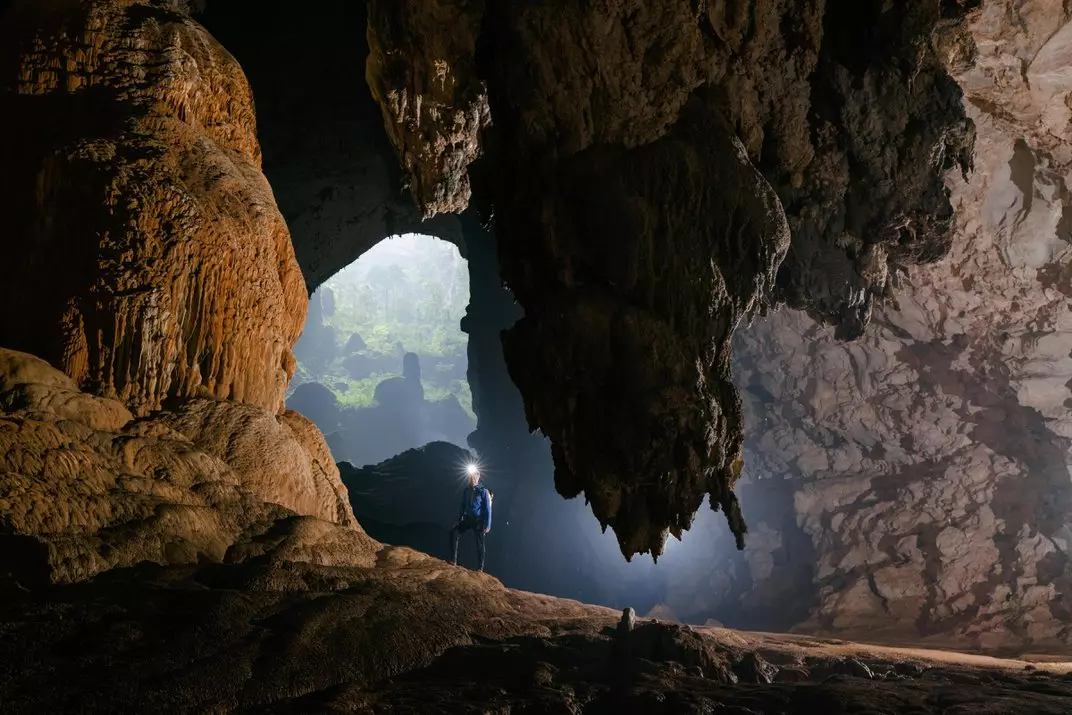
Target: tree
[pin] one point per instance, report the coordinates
(389, 281)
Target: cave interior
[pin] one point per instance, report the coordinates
(766, 355)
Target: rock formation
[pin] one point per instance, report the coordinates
(917, 478)
(636, 166)
(637, 171)
(146, 257)
(85, 487)
(418, 486)
(318, 403)
(326, 155)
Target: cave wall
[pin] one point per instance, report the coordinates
(910, 484)
(145, 255)
(923, 469)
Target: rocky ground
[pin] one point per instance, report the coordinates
(410, 634)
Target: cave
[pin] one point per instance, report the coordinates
(764, 352)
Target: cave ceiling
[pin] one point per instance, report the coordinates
(658, 174)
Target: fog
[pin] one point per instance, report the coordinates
(382, 359)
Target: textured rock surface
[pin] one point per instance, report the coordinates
(85, 487)
(647, 421)
(132, 154)
(331, 165)
(633, 144)
(419, 486)
(405, 633)
(923, 469)
(421, 73)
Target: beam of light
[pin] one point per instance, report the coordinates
(468, 468)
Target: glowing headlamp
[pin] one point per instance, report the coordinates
(471, 469)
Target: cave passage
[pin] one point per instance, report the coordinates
(382, 360)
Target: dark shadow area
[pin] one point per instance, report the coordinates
(334, 174)
(539, 541)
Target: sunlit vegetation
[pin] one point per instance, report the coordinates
(406, 294)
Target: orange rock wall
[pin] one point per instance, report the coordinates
(146, 257)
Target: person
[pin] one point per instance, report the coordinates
(475, 515)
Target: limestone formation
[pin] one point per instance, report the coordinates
(421, 73)
(418, 486)
(635, 171)
(326, 155)
(922, 470)
(643, 168)
(145, 254)
(85, 487)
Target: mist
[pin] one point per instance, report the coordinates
(382, 370)
(382, 360)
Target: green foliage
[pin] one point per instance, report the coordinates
(410, 291)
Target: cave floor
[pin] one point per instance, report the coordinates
(414, 635)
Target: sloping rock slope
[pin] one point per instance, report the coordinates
(634, 162)
(145, 256)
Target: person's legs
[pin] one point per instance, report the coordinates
(480, 546)
(455, 537)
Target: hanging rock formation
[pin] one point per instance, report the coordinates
(146, 257)
(635, 171)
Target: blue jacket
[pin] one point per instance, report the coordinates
(476, 502)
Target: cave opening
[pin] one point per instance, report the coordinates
(337, 183)
(382, 361)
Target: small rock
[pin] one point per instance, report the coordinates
(792, 674)
(753, 668)
(543, 675)
(628, 621)
(821, 670)
(910, 670)
(858, 669)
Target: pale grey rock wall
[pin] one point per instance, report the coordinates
(928, 461)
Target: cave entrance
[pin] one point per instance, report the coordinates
(382, 360)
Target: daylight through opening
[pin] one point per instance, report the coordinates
(382, 360)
